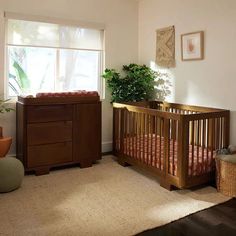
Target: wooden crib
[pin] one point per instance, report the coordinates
(177, 142)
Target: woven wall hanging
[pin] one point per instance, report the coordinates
(165, 47)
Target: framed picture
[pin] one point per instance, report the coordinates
(192, 46)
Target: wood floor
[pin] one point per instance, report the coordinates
(219, 220)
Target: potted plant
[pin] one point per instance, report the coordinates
(5, 142)
(139, 83)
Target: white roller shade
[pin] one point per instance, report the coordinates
(30, 33)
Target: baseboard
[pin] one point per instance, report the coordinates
(11, 155)
(106, 148)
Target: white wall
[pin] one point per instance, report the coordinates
(212, 81)
(121, 20)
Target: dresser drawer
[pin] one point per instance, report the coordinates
(51, 154)
(49, 113)
(51, 132)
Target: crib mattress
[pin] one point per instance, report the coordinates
(149, 149)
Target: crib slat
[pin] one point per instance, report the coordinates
(208, 141)
(122, 131)
(132, 132)
(161, 165)
(119, 128)
(198, 144)
(213, 141)
(224, 132)
(218, 128)
(131, 122)
(157, 157)
(203, 145)
(141, 137)
(166, 144)
(138, 136)
(118, 125)
(138, 139)
(144, 132)
(148, 139)
(217, 132)
(128, 134)
(114, 130)
(226, 128)
(221, 133)
(193, 145)
(155, 142)
(128, 143)
(173, 129)
(200, 147)
(151, 133)
(125, 131)
(115, 125)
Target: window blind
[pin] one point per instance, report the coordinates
(40, 34)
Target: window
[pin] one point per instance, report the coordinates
(46, 57)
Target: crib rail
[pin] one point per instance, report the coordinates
(177, 141)
(182, 109)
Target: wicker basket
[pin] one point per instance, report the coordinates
(226, 175)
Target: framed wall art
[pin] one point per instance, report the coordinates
(192, 46)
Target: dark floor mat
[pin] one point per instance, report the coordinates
(219, 220)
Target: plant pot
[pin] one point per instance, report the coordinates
(5, 144)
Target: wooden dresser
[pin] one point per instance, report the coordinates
(56, 131)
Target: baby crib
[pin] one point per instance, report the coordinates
(177, 142)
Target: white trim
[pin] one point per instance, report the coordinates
(35, 46)
(6, 61)
(106, 147)
(2, 54)
(45, 19)
(57, 69)
(103, 82)
(100, 72)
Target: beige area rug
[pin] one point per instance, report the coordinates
(106, 199)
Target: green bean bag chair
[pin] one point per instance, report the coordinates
(11, 174)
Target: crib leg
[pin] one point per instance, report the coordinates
(122, 162)
(165, 184)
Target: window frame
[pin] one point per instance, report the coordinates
(65, 22)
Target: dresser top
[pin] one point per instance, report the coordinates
(57, 100)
